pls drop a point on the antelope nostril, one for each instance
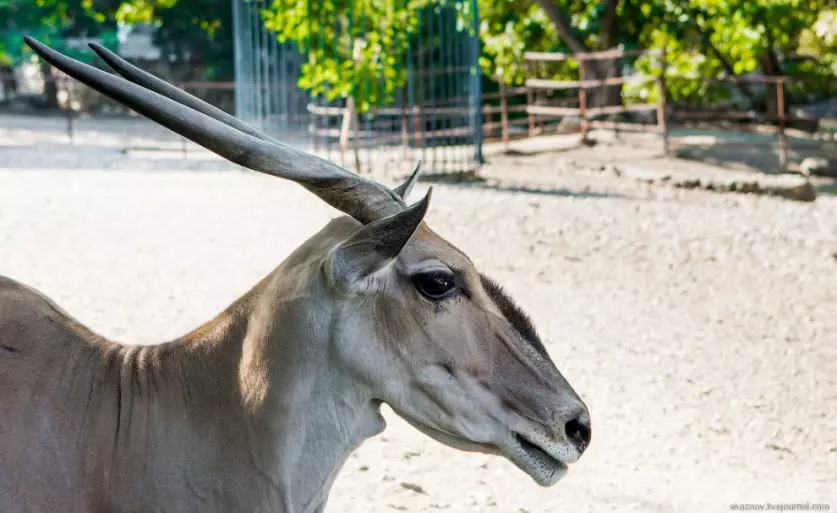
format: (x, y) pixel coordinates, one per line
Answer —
(578, 432)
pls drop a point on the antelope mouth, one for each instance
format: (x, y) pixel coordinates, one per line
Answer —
(526, 455)
(535, 461)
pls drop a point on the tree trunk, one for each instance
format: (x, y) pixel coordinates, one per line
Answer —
(50, 86)
(771, 67)
(9, 82)
(603, 96)
(563, 26)
(593, 70)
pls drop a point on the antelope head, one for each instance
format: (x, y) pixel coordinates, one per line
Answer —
(409, 316)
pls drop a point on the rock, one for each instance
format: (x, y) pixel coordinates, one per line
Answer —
(818, 166)
(414, 487)
(569, 125)
(793, 187)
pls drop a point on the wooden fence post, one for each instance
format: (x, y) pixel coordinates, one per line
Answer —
(418, 125)
(529, 101)
(783, 138)
(582, 100)
(504, 113)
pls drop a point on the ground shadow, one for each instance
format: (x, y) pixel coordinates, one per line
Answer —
(95, 157)
(759, 158)
(537, 190)
(826, 187)
(756, 152)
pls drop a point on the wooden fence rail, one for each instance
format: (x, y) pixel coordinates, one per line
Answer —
(531, 115)
(780, 118)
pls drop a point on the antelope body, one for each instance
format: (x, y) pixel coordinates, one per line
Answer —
(258, 409)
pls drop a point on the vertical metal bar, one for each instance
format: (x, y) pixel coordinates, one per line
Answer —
(238, 57)
(379, 124)
(335, 41)
(247, 62)
(783, 138)
(403, 92)
(431, 70)
(275, 108)
(354, 119)
(346, 120)
(450, 88)
(285, 85)
(411, 87)
(264, 64)
(254, 70)
(443, 140)
(251, 65)
(463, 86)
(257, 57)
(306, 100)
(420, 122)
(322, 119)
(268, 77)
(388, 28)
(367, 88)
(261, 96)
(476, 90)
(662, 99)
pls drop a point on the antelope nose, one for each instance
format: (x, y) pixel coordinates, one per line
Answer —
(578, 432)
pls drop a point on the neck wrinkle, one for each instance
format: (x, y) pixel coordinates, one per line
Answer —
(302, 414)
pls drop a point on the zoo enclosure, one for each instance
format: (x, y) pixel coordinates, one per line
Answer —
(436, 114)
(427, 89)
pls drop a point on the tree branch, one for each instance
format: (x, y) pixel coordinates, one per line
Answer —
(606, 34)
(562, 25)
(730, 71)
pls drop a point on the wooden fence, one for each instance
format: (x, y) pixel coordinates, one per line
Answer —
(507, 116)
(583, 84)
(665, 116)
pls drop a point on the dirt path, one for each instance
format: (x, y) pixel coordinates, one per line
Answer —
(700, 328)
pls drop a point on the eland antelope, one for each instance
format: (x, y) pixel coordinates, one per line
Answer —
(258, 409)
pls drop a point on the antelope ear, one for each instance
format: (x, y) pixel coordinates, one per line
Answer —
(404, 189)
(352, 264)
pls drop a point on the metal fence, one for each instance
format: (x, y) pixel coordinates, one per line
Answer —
(438, 113)
(433, 112)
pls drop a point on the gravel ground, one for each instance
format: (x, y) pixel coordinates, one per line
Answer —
(700, 328)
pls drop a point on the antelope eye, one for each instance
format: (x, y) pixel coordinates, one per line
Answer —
(435, 285)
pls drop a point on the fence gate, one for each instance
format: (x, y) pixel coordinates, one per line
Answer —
(370, 85)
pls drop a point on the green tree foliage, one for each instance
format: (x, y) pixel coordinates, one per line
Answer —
(708, 39)
(53, 21)
(508, 29)
(201, 29)
(353, 42)
(363, 49)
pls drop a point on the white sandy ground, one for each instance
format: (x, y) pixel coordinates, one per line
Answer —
(700, 328)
